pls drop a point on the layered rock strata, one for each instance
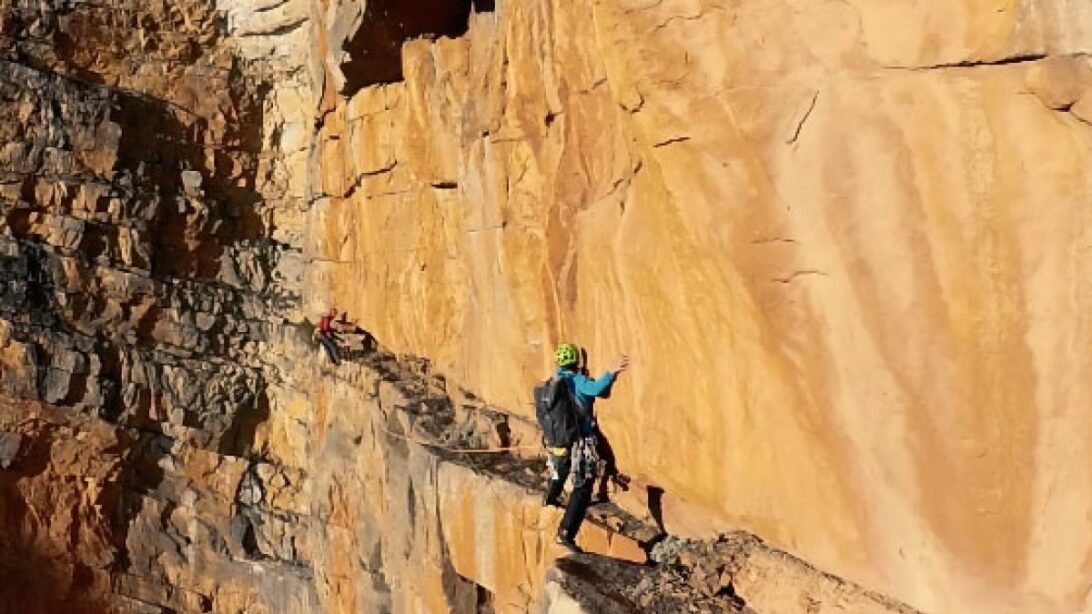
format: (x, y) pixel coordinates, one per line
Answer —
(383, 514)
(844, 243)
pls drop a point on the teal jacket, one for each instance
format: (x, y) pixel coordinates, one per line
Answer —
(586, 390)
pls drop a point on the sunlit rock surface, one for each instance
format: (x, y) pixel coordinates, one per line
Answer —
(845, 243)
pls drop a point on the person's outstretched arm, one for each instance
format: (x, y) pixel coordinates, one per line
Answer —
(599, 387)
(589, 387)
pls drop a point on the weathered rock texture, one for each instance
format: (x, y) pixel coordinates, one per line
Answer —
(143, 276)
(845, 242)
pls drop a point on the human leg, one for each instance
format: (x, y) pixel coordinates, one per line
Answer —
(560, 465)
(585, 465)
(331, 348)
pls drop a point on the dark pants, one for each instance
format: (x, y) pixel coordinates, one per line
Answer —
(331, 348)
(575, 510)
(610, 464)
(583, 483)
(560, 468)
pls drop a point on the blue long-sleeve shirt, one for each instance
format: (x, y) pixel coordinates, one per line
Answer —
(585, 390)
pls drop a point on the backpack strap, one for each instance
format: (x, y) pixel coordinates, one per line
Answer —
(555, 390)
(580, 409)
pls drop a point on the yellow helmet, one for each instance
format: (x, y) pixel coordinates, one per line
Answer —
(567, 355)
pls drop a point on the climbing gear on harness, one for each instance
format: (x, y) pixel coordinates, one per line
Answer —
(582, 463)
(567, 355)
(585, 467)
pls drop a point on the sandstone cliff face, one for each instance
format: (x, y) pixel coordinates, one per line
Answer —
(191, 454)
(845, 244)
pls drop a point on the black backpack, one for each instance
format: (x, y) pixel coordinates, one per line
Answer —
(557, 413)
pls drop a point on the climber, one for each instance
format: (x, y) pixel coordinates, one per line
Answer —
(574, 452)
(326, 335)
(608, 460)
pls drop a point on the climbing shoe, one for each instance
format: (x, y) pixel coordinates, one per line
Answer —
(568, 543)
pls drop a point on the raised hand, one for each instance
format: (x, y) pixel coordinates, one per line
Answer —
(620, 364)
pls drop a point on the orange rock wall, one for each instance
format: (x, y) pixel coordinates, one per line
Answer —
(845, 244)
(168, 440)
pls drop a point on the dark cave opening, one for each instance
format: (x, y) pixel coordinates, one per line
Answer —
(374, 51)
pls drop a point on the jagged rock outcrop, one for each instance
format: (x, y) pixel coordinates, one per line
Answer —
(379, 515)
(844, 243)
